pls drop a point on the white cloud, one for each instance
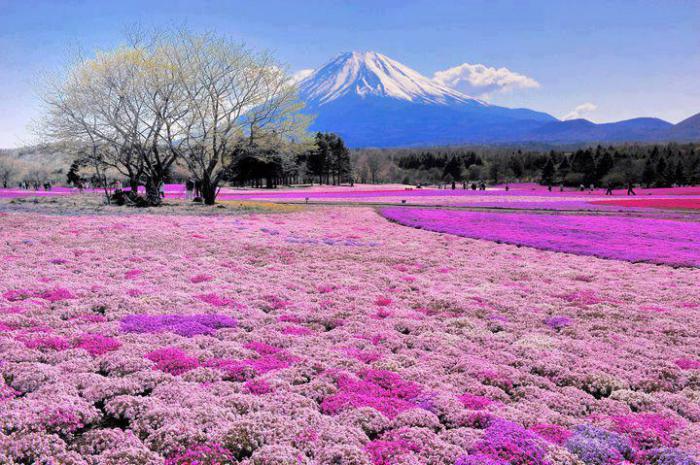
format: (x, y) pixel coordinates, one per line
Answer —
(481, 80)
(580, 111)
(301, 75)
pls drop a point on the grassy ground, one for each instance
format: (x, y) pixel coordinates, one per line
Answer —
(91, 204)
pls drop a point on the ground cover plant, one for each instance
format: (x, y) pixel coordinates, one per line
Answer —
(673, 242)
(333, 336)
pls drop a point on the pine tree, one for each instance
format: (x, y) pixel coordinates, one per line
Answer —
(548, 172)
(604, 163)
(649, 172)
(563, 169)
(679, 174)
(583, 162)
(661, 175)
(73, 176)
(453, 168)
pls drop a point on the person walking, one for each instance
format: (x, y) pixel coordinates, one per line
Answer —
(630, 190)
(189, 187)
(609, 191)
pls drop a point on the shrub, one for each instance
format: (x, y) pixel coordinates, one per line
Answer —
(204, 454)
(172, 360)
(595, 446)
(184, 325)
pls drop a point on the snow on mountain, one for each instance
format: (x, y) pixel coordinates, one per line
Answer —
(371, 100)
(373, 74)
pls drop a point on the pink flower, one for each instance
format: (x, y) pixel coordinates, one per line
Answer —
(47, 342)
(96, 344)
(200, 278)
(257, 387)
(18, 294)
(382, 301)
(217, 301)
(55, 295)
(203, 454)
(389, 452)
(133, 274)
(473, 402)
(296, 331)
(688, 364)
(552, 433)
(172, 360)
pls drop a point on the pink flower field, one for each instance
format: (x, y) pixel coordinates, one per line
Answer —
(651, 240)
(332, 336)
(523, 196)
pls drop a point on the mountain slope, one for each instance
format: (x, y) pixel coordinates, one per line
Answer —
(374, 101)
(371, 100)
(582, 130)
(366, 74)
(686, 130)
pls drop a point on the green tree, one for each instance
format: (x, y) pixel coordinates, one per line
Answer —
(661, 173)
(453, 168)
(548, 172)
(649, 172)
(563, 169)
(604, 163)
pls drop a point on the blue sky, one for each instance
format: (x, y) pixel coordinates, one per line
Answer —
(612, 59)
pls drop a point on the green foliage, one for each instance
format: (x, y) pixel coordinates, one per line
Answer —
(653, 165)
(329, 159)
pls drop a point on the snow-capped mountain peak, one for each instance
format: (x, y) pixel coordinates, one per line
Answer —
(366, 74)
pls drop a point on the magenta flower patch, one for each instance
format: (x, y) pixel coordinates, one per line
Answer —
(201, 278)
(622, 238)
(217, 300)
(52, 295)
(382, 390)
(96, 344)
(474, 402)
(688, 364)
(172, 360)
(184, 325)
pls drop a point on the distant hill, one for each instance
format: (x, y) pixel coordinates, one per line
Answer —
(582, 130)
(374, 101)
(51, 157)
(687, 130)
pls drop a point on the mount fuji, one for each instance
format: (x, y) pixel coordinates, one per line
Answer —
(373, 101)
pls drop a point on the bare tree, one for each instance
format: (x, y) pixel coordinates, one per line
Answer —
(232, 97)
(169, 97)
(10, 169)
(36, 177)
(374, 164)
(121, 105)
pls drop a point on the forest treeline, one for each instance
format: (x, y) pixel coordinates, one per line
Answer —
(649, 165)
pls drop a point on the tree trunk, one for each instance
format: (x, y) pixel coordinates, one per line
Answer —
(153, 192)
(209, 192)
(134, 188)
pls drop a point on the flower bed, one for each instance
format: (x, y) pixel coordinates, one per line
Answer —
(236, 346)
(633, 239)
